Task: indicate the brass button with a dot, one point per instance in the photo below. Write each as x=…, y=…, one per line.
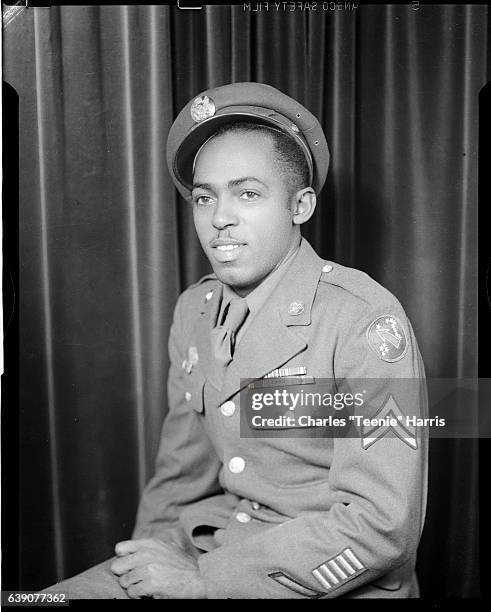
x=236, y=465
x=227, y=409
x=243, y=517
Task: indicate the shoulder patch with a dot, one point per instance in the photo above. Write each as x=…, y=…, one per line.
x=387, y=338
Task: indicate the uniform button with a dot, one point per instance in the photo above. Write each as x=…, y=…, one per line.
x=188, y=396
x=236, y=465
x=327, y=268
x=255, y=505
x=243, y=517
x=227, y=409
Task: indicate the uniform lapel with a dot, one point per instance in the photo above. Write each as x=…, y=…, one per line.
x=272, y=339
x=203, y=326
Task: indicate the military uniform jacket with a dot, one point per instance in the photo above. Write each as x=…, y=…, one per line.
x=288, y=517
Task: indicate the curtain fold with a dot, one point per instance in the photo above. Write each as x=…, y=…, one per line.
x=106, y=243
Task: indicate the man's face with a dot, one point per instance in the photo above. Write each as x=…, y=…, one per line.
x=241, y=209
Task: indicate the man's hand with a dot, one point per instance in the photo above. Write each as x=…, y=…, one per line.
x=162, y=570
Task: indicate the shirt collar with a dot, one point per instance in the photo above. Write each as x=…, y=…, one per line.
x=260, y=294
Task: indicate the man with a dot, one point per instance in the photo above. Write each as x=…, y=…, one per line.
x=227, y=516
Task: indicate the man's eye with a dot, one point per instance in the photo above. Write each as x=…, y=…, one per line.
x=249, y=196
x=202, y=200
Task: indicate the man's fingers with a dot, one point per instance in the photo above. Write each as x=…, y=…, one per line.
x=125, y=564
x=127, y=547
x=141, y=589
x=129, y=578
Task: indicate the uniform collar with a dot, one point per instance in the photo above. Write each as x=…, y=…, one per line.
x=260, y=295
x=296, y=293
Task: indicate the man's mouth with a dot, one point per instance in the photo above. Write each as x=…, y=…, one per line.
x=226, y=248
x=226, y=244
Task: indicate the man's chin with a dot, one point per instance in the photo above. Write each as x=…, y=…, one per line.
x=241, y=283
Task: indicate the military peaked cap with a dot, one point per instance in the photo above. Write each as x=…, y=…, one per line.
x=251, y=102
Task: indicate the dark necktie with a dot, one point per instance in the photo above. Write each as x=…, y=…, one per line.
x=223, y=336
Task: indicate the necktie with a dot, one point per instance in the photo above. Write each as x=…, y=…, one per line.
x=223, y=336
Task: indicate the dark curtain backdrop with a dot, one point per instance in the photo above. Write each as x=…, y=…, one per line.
x=106, y=245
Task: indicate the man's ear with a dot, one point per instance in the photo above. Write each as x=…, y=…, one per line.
x=303, y=205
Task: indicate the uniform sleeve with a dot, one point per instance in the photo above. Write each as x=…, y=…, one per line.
x=187, y=466
x=374, y=525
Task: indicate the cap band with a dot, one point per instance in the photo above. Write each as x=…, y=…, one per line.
x=285, y=127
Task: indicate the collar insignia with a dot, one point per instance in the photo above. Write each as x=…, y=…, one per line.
x=295, y=308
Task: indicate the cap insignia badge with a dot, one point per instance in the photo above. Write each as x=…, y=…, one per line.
x=202, y=108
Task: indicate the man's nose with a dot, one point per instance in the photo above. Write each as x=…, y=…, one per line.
x=225, y=213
